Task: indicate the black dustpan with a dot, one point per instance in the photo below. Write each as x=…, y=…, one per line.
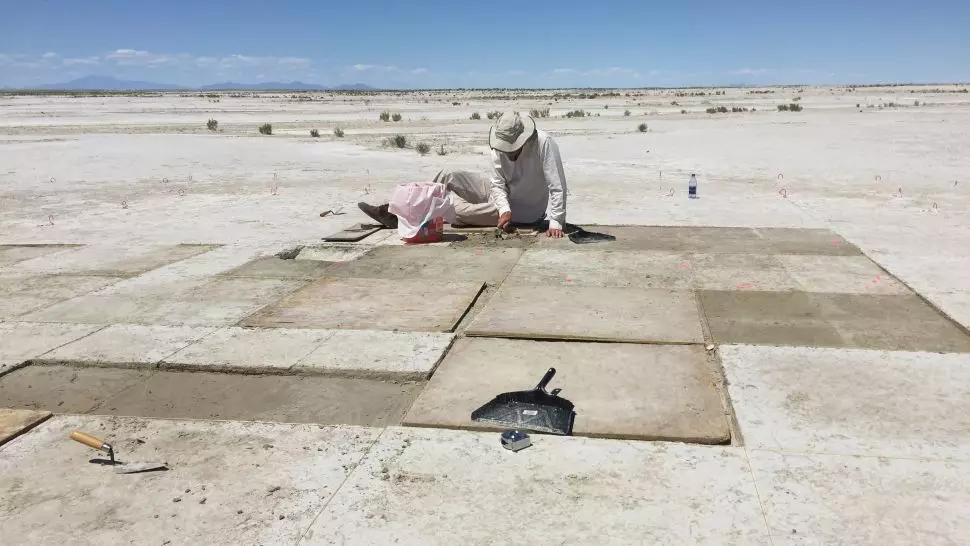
x=535, y=410
x=582, y=237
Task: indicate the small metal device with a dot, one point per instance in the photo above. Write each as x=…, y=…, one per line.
x=515, y=440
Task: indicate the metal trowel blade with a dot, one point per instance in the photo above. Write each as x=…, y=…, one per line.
x=134, y=468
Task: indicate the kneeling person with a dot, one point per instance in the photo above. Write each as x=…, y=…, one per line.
x=527, y=183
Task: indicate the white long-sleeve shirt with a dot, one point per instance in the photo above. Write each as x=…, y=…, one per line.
x=532, y=185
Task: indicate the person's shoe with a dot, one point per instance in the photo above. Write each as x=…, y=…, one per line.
x=380, y=214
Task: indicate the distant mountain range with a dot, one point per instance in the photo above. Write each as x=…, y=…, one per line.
x=107, y=83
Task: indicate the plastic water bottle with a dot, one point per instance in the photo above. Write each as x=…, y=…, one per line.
x=692, y=187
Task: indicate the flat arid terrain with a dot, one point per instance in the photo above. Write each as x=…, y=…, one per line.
x=785, y=360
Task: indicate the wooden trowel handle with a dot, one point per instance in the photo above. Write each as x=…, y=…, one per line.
x=89, y=441
x=546, y=379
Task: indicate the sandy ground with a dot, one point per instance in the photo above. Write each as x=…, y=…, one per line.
x=146, y=170
x=127, y=174
x=182, y=183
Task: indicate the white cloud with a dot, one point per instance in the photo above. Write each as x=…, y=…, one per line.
x=87, y=61
x=293, y=61
x=609, y=71
x=749, y=71
x=612, y=71
x=137, y=57
x=48, y=55
x=388, y=69
x=21, y=60
x=120, y=54
x=375, y=68
x=237, y=60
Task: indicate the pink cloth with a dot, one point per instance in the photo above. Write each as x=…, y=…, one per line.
x=417, y=202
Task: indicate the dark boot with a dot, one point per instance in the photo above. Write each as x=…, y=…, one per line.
x=380, y=214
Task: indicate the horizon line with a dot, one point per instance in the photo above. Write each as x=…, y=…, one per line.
x=325, y=88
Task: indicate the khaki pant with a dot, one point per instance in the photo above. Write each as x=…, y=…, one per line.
x=472, y=196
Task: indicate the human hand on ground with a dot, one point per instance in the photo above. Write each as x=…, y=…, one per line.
x=554, y=233
x=505, y=221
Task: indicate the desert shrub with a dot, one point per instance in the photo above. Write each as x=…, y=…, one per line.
x=399, y=141
x=494, y=114
x=385, y=116
x=576, y=114
x=212, y=125
x=476, y=115
x=682, y=111
x=782, y=107
x=796, y=99
x=266, y=129
x=857, y=105
x=442, y=151
x=711, y=110
x=539, y=112
x=915, y=103
x=674, y=103
x=396, y=117
x=422, y=148
x=737, y=109
x=338, y=132
x=794, y=107
x=717, y=110
x=626, y=113
x=314, y=133
x=606, y=107
x=456, y=104
x=642, y=127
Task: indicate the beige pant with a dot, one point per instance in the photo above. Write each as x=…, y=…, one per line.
x=472, y=197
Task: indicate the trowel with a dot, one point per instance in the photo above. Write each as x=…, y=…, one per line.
x=120, y=467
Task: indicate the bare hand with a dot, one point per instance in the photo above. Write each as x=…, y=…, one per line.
x=505, y=221
x=555, y=233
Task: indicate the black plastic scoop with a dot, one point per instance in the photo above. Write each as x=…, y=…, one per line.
x=535, y=410
x=582, y=237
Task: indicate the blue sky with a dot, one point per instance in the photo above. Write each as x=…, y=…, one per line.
x=510, y=43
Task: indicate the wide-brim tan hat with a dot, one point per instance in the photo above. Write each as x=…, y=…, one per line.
x=510, y=132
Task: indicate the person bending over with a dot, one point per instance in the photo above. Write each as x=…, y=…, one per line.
x=527, y=185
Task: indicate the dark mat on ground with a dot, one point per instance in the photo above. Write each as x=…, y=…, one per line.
x=723, y=240
x=353, y=233
x=444, y=263
x=891, y=322
x=203, y=395
x=409, y=304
